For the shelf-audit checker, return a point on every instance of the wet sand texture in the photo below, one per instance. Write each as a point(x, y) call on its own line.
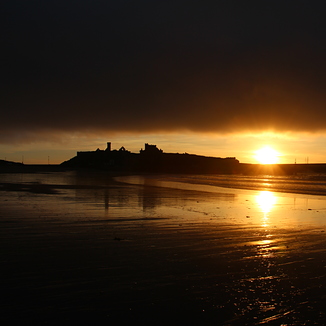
point(110, 253)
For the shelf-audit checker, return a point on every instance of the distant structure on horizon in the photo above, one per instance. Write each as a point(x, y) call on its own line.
point(151, 149)
point(152, 159)
point(99, 151)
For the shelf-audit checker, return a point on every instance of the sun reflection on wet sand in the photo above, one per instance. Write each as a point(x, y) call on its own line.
point(266, 200)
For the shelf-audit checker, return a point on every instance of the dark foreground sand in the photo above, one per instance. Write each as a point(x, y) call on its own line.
point(88, 251)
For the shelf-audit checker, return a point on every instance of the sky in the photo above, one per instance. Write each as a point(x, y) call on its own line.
point(215, 78)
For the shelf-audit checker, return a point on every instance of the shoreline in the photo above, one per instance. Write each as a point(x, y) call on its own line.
point(191, 179)
point(118, 253)
point(272, 189)
point(256, 169)
point(311, 184)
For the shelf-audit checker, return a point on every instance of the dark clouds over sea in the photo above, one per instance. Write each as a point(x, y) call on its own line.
point(149, 66)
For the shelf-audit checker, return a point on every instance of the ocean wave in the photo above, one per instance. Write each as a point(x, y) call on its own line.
point(305, 184)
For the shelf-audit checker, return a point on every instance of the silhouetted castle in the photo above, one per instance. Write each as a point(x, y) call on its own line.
point(150, 150)
point(153, 160)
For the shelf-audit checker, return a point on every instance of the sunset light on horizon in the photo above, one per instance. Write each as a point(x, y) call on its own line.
point(267, 155)
point(215, 78)
point(290, 149)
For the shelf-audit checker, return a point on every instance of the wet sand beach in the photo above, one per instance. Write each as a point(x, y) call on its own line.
point(86, 248)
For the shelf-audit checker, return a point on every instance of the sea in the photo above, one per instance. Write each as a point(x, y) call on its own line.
point(301, 183)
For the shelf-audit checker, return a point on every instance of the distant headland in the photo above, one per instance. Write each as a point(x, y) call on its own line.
point(153, 160)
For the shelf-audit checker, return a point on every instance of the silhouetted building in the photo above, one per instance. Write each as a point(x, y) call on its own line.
point(152, 159)
point(151, 149)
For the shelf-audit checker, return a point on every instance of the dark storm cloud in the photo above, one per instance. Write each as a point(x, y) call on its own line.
point(142, 66)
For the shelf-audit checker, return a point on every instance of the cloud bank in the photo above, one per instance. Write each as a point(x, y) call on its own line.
point(143, 67)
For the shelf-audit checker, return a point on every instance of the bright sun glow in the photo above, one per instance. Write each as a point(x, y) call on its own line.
point(266, 200)
point(267, 155)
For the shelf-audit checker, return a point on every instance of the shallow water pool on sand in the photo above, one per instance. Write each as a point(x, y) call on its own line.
point(86, 248)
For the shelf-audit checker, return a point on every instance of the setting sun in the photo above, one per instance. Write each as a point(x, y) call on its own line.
point(267, 155)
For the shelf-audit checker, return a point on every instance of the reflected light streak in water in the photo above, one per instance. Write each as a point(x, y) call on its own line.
point(265, 248)
point(266, 201)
